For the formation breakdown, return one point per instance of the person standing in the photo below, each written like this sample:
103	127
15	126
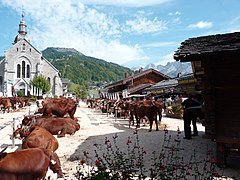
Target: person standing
188	116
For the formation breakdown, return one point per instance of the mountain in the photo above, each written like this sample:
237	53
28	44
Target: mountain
59	53
82	69
171	68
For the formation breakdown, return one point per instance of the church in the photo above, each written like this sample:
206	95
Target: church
21	63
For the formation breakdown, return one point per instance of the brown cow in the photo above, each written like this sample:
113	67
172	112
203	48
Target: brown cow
16	101
122	108
38	137
24	101
59	126
56	126
141	110
59	107
5	103
159	106
27	164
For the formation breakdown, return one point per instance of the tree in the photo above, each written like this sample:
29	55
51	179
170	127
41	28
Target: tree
41	82
79	90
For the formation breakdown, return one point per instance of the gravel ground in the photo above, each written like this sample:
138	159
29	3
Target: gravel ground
96	127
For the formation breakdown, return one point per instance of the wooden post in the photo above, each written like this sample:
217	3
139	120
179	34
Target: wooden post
13	139
107	109
116	112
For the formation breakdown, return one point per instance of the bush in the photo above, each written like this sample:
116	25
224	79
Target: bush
113	164
21	93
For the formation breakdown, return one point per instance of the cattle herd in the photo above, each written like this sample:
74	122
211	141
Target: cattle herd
55	116
54	119
13	103
133	110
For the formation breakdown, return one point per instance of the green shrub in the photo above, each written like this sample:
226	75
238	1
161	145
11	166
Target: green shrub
21	93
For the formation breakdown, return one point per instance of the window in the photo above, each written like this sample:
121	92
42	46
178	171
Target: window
1	80
23	69
23	47
49	80
18	70
28	71
17	49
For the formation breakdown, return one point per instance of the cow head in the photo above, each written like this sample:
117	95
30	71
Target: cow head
21	132
17	133
55	164
27	120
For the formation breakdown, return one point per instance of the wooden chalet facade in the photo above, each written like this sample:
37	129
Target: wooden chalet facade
163	88
216	64
135	83
183	85
188	84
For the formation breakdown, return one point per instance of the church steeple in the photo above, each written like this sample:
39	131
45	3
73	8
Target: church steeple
22	26
22	30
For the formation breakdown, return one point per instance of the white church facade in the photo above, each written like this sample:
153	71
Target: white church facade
21	63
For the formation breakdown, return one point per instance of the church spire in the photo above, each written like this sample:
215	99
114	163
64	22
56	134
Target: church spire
22	31
22	26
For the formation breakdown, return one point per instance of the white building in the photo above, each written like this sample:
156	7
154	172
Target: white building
21	63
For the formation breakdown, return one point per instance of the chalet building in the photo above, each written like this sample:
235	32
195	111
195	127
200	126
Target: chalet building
133	84
21	63
181	85
215	61
163	88
187	84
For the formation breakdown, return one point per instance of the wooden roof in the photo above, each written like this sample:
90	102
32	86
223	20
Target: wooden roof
192	48
116	83
139	75
164	84
148	71
139	88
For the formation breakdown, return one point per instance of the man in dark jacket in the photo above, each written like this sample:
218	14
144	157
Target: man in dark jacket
188	116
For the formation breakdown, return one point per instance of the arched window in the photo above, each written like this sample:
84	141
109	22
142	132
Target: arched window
28	71
49	80
23	69
18	70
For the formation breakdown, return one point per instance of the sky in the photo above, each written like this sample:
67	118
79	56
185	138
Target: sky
131	33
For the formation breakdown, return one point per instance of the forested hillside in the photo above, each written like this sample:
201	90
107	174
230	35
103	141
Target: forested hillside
81	69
